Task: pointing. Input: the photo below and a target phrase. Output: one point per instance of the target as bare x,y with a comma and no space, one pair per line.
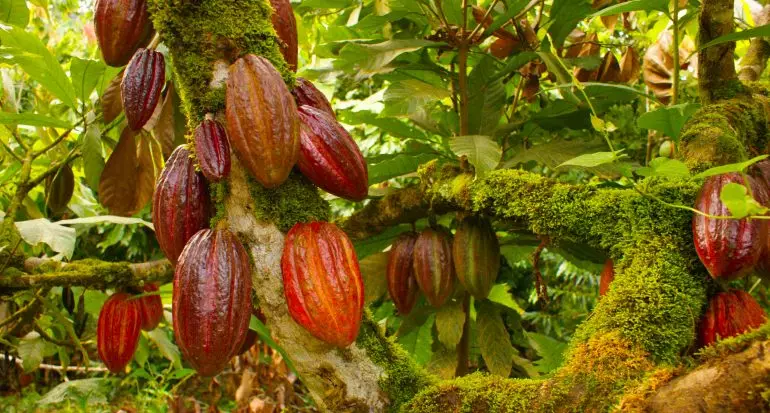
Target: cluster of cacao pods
121,319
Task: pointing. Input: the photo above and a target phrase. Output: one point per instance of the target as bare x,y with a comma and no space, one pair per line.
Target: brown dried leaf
575,39
164,129
531,88
629,66
609,22
112,104
150,158
609,71
658,64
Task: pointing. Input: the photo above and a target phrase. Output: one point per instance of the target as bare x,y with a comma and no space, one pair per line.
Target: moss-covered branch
754,61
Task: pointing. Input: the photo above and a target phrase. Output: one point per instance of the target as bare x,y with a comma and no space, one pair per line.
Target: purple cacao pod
121,27
212,150
142,85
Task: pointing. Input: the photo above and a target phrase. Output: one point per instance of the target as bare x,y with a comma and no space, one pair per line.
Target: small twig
75,369
74,154
11,152
540,286
48,337
22,311
57,141
20,141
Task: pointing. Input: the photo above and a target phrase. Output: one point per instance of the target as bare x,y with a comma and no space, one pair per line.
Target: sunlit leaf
593,159
494,340
669,120
33,119
14,12
61,239
450,320
373,270
733,167
483,152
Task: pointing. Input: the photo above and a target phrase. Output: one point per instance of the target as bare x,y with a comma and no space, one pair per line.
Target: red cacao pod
330,158
729,314
212,300
151,307
305,93
181,204
433,266
117,331
142,85
262,120
212,150
402,285
121,27
285,26
322,282
728,248
608,275
476,256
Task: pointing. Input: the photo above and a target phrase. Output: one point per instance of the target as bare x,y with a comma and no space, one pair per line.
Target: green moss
219,192
296,200
10,241
734,344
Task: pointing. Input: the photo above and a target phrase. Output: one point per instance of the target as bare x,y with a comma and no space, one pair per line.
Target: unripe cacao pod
402,285
476,256
322,282
433,266
262,121
117,331
151,307
212,150
305,93
330,158
121,27
212,300
59,188
68,299
181,204
285,26
142,85
728,248
608,275
729,314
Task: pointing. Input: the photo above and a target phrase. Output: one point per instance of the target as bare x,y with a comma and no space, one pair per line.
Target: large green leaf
14,12
166,346
495,343
733,167
634,5
412,96
61,239
32,348
565,15
418,341
93,155
396,165
550,350
483,152
374,58
591,160
486,98
450,320
665,168
379,242
93,390
33,119
86,75
669,120
760,31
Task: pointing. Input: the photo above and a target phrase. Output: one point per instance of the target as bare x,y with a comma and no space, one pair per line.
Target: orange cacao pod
433,266
402,285
330,158
305,93
142,84
181,204
212,150
121,27
728,248
476,256
285,26
322,282
262,120
212,300
608,275
729,314
151,307
117,331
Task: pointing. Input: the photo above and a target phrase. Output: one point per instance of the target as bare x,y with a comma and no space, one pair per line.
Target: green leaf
373,270
95,391
669,120
379,242
450,320
565,16
85,76
61,239
444,363
551,351
32,349
515,62
500,294
593,159
109,219
665,168
405,98
493,338
760,31
486,98
513,9
397,165
14,12
733,167
418,341
634,5
142,352
374,58
166,347
93,156
734,197
33,119
483,152
265,336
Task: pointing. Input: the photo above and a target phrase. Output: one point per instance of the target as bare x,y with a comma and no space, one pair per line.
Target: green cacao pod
728,248
212,300
121,27
142,85
212,150
285,25
476,255
330,158
729,314
117,331
59,188
322,282
262,120
305,93
433,266
181,204
402,284
608,275
151,307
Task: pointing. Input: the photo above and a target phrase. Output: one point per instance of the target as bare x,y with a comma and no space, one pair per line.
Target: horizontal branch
96,369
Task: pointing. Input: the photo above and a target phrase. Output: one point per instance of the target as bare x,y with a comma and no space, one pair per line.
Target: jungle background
588,93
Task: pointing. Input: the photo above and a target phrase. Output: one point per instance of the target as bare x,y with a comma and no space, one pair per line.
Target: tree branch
717,78
754,61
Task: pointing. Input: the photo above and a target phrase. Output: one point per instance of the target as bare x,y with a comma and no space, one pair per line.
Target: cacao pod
330,158
81,316
212,300
262,120
729,314
433,266
68,299
608,275
121,27
285,26
728,248
305,93
212,150
117,331
181,204
322,282
151,307
142,85
59,188
402,285
476,255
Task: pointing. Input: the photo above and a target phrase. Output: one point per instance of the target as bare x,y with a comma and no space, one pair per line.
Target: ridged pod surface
322,282
729,314
262,120
212,300
285,25
476,256
117,331
305,93
181,204
142,85
728,248
402,285
433,266
608,275
330,158
59,188
151,307
121,27
212,150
